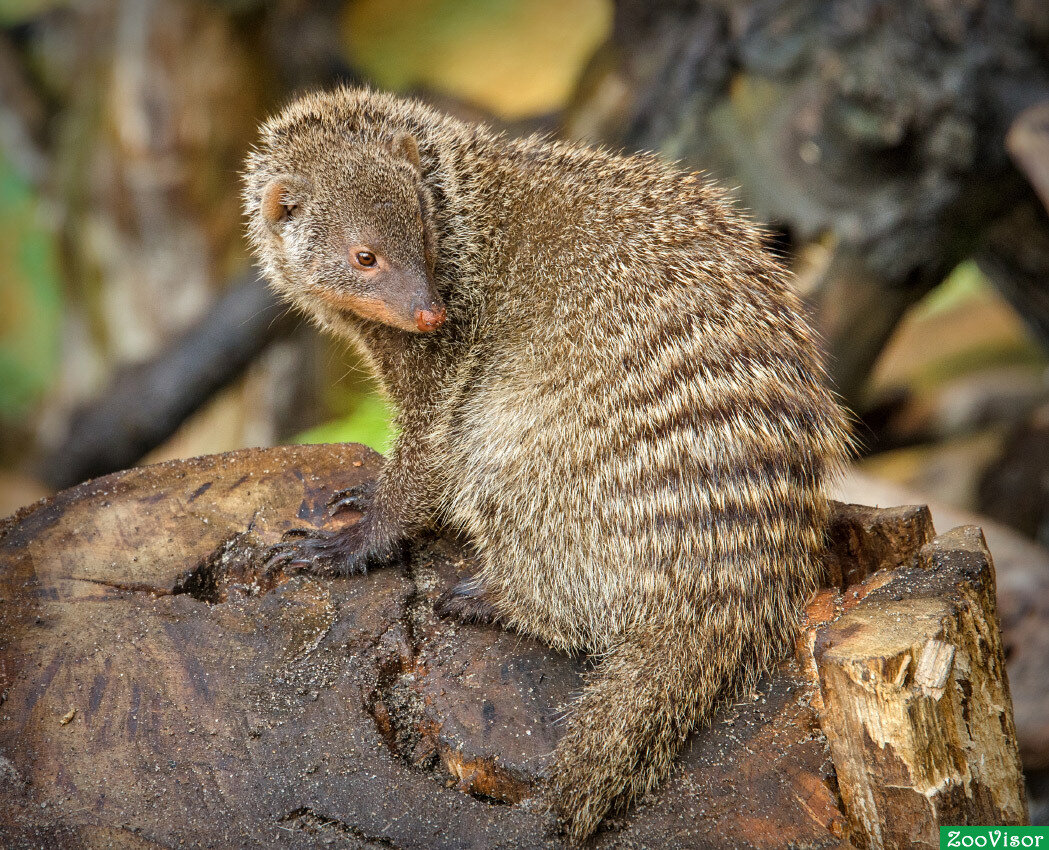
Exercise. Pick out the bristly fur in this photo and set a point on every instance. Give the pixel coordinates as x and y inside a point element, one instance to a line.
<point>625,411</point>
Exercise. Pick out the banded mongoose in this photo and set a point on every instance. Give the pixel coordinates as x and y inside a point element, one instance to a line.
<point>599,375</point>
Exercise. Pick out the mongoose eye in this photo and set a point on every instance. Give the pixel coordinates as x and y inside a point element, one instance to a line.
<point>365,259</point>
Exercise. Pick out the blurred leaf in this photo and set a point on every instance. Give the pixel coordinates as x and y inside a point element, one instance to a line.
<point>30,296</point>
<point>514,57</point>
<point>368,424</point>
<point>965,282</point>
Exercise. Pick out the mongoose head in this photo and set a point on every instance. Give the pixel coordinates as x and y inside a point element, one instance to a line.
<point>342,227</point>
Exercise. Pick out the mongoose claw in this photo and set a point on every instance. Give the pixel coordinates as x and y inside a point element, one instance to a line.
<point>327,553</point>
<point>357,498</point>
<point>468,601</point>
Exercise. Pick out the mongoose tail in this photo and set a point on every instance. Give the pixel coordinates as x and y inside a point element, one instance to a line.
<point>633,717</point>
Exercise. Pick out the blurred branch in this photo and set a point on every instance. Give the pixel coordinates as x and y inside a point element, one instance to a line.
<point>145,404</point>
<point>1015,257</point>
<point>857,311</point>
<point>22,117</point>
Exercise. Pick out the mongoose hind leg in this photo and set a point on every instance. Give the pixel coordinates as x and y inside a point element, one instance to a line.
<point>469,602</point>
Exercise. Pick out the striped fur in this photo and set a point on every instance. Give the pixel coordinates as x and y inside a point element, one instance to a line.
<point>625,411</point>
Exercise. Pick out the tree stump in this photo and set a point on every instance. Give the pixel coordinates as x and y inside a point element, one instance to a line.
<point>160,688</point>
<point>915,700</point>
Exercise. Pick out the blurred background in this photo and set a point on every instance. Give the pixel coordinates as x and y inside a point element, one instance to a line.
<point>898,150</point>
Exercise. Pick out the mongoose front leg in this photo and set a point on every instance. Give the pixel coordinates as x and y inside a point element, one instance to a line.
<point>392,508</point>
<point>357,498</point>
<point>371,541</point>
<point>330,553</point>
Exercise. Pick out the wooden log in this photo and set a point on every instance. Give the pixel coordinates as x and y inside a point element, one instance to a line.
<point>917,709</point>
<point>159,686</point>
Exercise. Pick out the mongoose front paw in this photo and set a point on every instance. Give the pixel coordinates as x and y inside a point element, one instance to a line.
<point>356,498</point>
<point>469,602</point>
<point>349,551</point>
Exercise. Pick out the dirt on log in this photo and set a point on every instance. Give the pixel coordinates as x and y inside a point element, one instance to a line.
<point>159,688</point>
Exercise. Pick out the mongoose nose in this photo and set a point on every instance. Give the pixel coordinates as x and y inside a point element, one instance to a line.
<point>429,318</point>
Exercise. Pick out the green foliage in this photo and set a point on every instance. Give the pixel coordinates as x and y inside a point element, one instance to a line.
<point>368,424</point>
<point>30,296</point>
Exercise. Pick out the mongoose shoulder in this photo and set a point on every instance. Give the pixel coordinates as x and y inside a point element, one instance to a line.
<point>599,375</point>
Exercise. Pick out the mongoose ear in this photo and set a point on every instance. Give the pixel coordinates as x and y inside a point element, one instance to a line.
<point>405,146</point>
<point>281,199</point>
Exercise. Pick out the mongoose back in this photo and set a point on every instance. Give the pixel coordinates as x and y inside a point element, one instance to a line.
<point>599,375</point>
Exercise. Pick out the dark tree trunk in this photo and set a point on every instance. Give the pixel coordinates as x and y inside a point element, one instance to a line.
<point>876,128</point>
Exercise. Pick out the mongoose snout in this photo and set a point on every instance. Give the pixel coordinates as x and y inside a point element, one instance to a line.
<point>430,318</point>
